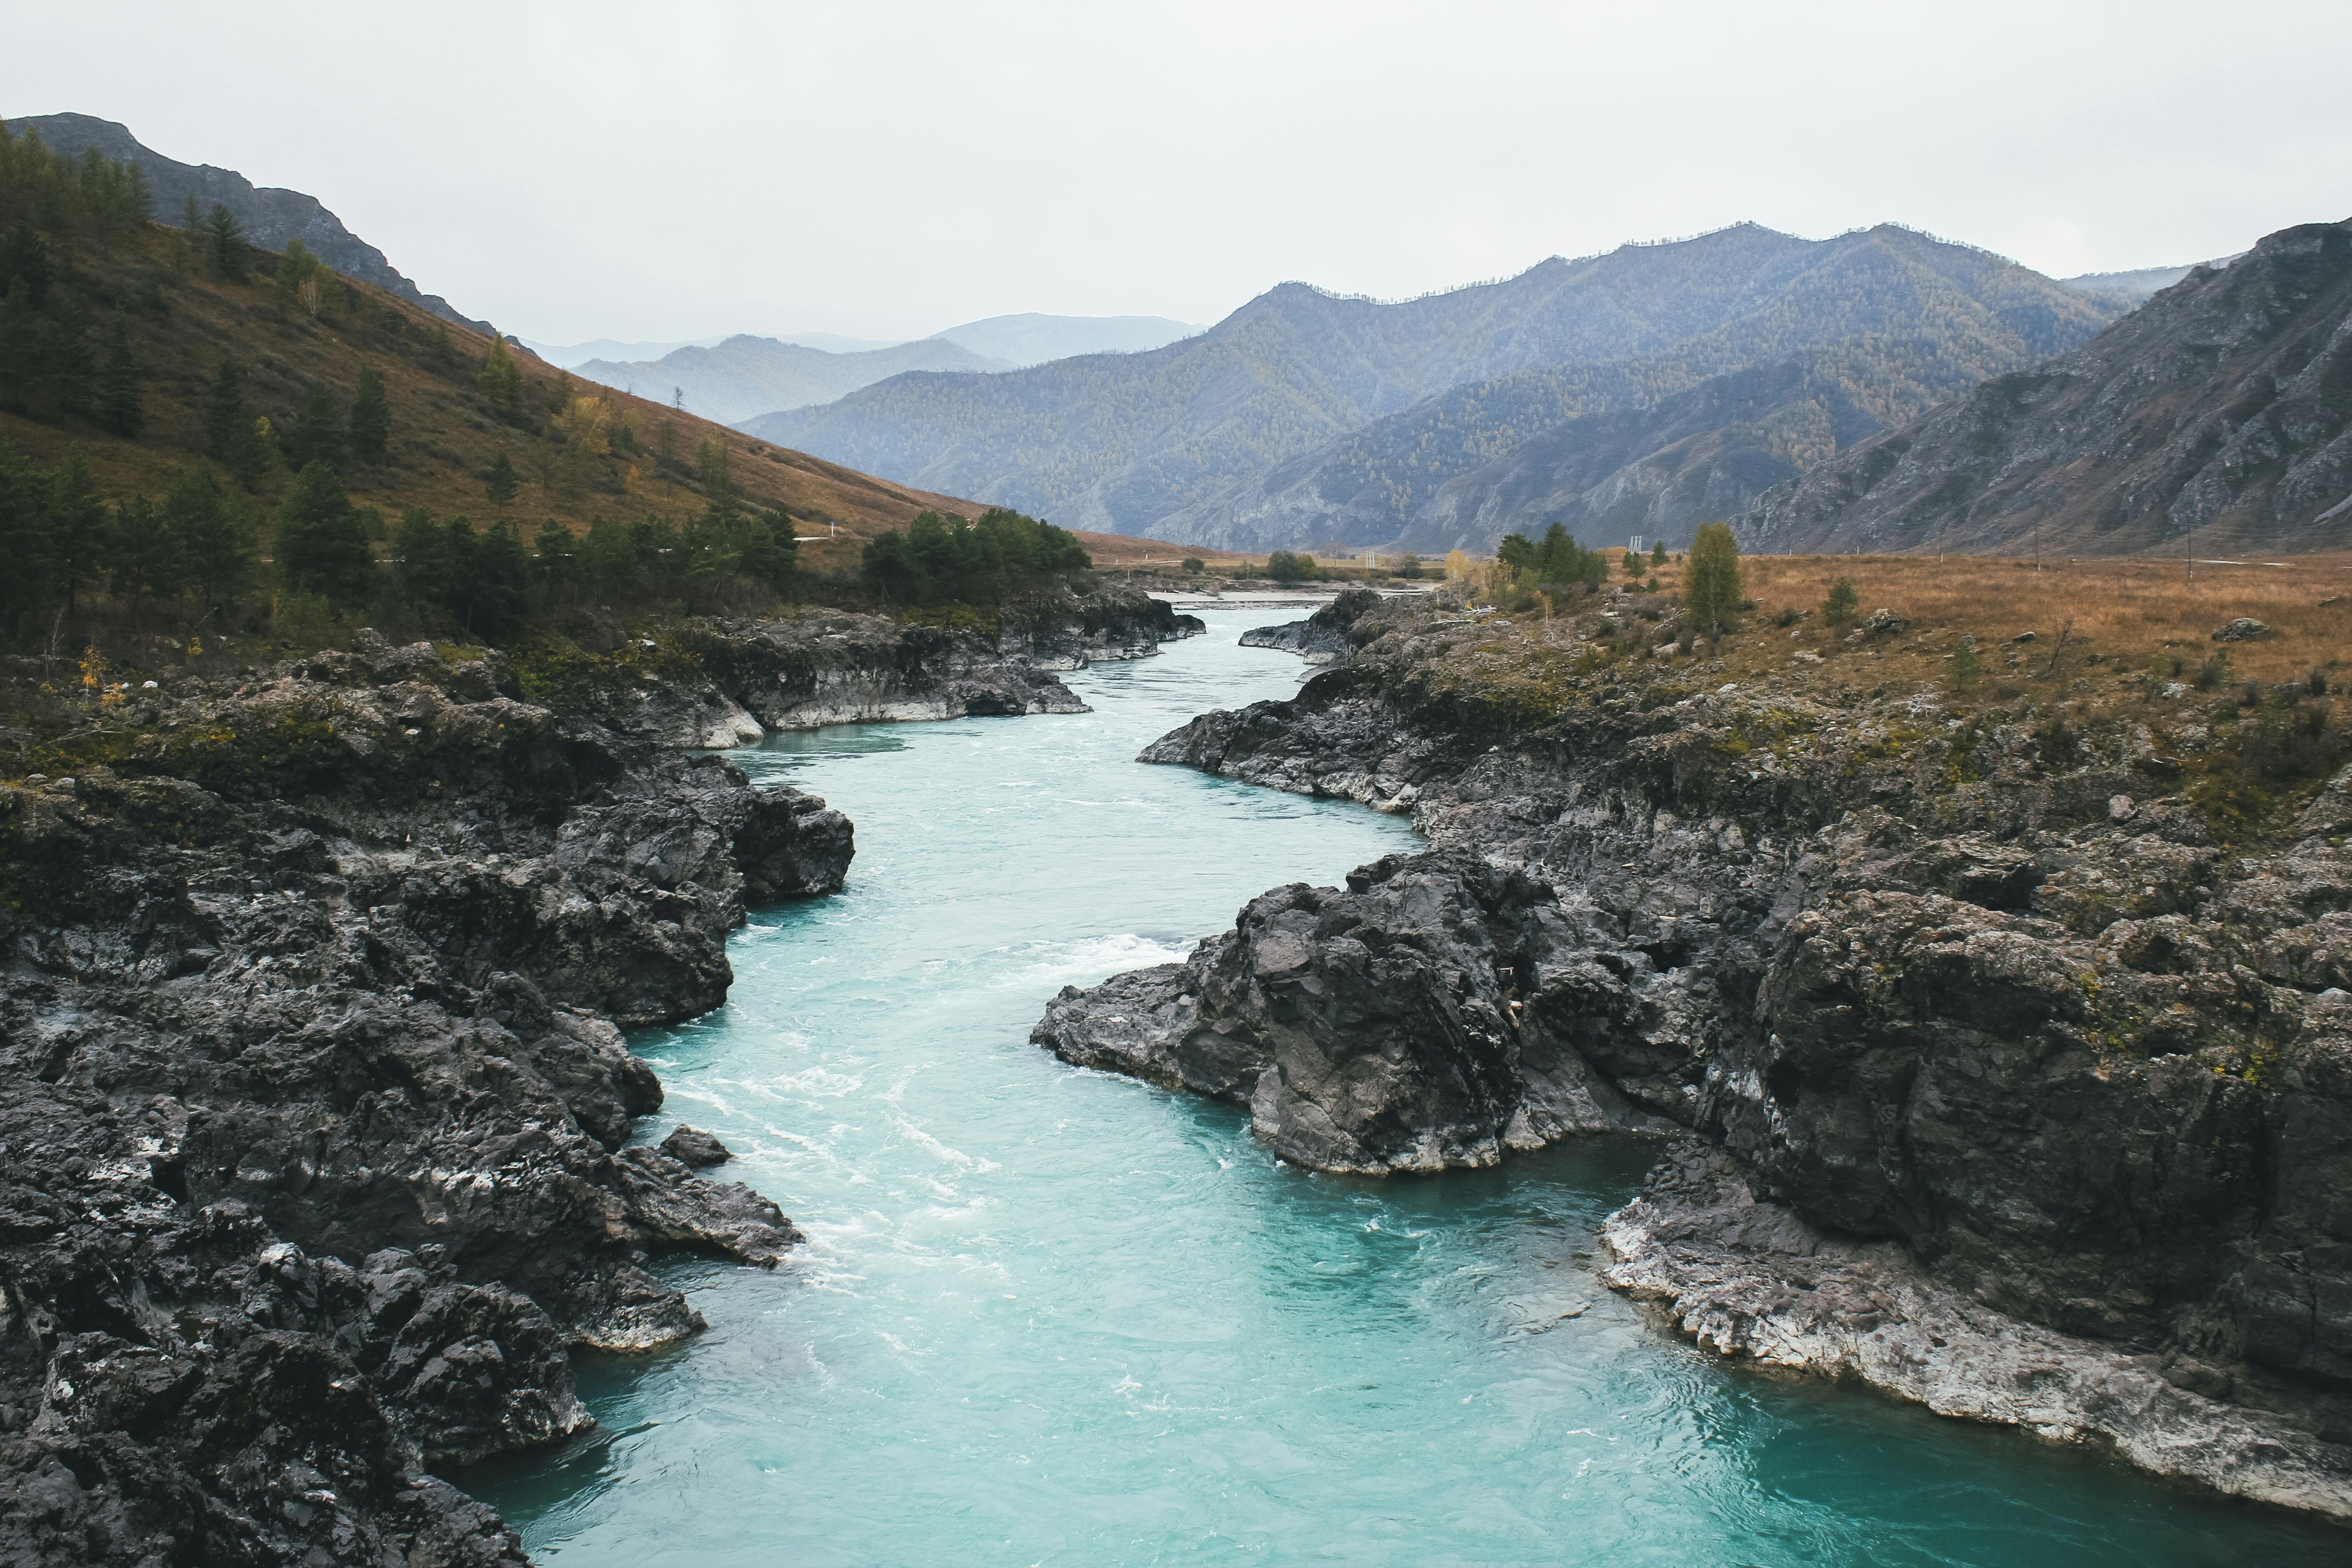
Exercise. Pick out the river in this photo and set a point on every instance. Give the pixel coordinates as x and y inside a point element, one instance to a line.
<point>1051,1316</point>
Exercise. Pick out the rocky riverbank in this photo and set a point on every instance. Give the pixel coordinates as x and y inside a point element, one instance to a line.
<point>721,682</point>
<point>315,1157</point>
<point>1321,638</point>
<point>2008,1068</point>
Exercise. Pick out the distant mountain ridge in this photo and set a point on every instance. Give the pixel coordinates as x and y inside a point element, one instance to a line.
<point>1033,339</point>
<point>271,216</point>
<point>2139,283</point>
<point>2223,404</point>
<point>745,376</point>
<point>738,378</point>
<point>1301,418</point>
<point>566,355</point>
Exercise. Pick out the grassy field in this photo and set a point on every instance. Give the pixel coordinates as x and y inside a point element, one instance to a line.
<point>2129,611</point>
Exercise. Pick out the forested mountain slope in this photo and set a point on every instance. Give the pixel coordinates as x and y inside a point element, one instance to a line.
<point>746,375</point>
<point>178,409</point>
<point>1179,441</point>
<point>2223,404</point>
<point>271,216</point>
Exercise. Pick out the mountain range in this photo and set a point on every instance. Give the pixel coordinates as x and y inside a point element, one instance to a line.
<point>738,378</point>
<point>1022,340</point>
<point>742,376</point>
<point>1308,418</point>
<point>271,216</point>
<point>2224,406</point>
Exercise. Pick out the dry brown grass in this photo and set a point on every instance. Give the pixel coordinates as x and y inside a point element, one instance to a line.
<point>2126,611</point>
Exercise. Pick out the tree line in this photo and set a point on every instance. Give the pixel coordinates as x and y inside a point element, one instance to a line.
<point>197,554</point>
<point>1555,560</point>
<point>941,560</point>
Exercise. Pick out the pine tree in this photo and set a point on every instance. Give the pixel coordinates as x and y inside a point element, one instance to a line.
<point>498,577</point>
<point>423,565</point>
<point>24,535</point>
<point>77,524</point>
<point>294,270</point>
<point>24,263</point>
<point>1711,583</point>
<point>121,384</point>
<point>315,434</point>
<point>1967,667</point>
<point>224,416</point>
<point>499,482</point>
<point>370,424</point>
<point>216,534</point>
<point>556,552</point>
<point>717,475</point>
<point>146,557</point>
<point>321,543</point>
<point>1842,606</point>
<point>500,381</point>
<point>766,549</point>
<point>227,237</point>
<point>1658,553</point>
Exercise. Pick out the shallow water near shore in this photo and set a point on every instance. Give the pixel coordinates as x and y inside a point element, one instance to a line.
<point>1051,1316</point>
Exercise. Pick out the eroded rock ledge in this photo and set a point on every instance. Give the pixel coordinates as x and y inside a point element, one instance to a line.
<point>1982,1017</point>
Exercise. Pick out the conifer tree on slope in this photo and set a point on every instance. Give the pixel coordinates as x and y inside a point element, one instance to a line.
<point>121,382</point>
<point>368,428</point>
<point>322,544</point>
<point>1712,591</point>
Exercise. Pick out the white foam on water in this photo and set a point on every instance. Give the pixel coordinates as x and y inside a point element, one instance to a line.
<point>1085,961</point>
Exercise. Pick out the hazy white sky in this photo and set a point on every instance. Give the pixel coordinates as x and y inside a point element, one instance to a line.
<point>581,169</point>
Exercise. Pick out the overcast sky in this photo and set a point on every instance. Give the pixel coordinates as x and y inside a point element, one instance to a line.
<point>886,170</point>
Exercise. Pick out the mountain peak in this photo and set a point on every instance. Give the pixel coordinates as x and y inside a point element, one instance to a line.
<point>2222,405</point>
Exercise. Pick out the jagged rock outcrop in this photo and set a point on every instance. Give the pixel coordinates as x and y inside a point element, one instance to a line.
<point>313,1115</point>
<point>1373,1030</point>
<point>1323,636</point>
<point>1982,1005</point>
<point>2224,406</point>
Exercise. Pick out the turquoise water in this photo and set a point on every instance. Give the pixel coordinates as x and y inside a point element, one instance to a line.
<point>1048,1315</point>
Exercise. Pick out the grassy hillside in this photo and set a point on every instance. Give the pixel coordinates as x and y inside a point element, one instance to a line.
<point>181,320</point>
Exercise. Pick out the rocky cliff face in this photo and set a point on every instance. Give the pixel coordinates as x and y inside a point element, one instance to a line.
<point>2222,405</point>
<point>2005,1085</point>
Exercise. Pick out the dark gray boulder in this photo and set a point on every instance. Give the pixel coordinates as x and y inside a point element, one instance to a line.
<point>693,1146</point>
